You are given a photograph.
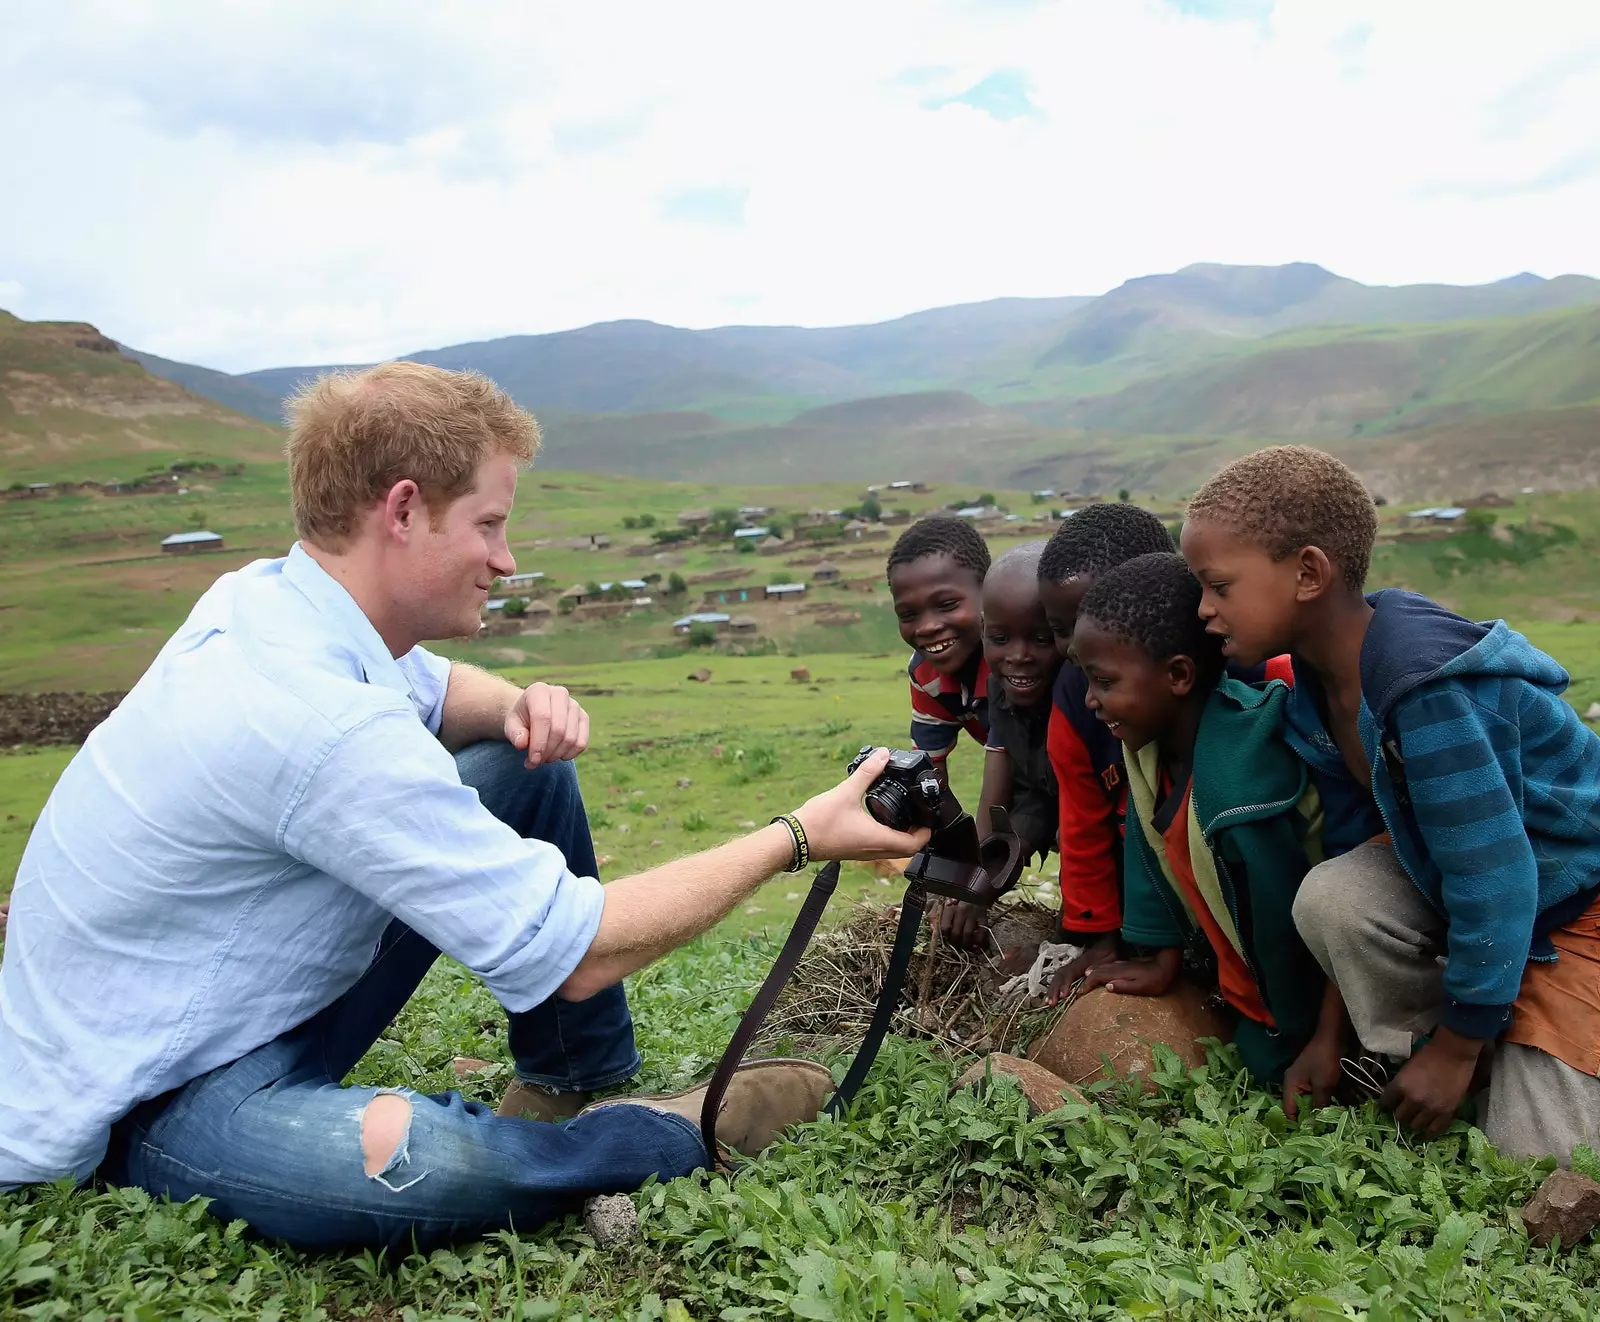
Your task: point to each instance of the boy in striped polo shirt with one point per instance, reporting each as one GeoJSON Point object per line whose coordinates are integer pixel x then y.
{"type": "Point", "coordinates": [936, 572]}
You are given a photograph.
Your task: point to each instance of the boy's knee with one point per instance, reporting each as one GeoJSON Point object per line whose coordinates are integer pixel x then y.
{"type": "Point", "coordinates": [1321, 906]}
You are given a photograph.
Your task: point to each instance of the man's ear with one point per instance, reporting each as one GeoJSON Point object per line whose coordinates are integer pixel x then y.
{"type": "Point", "coordinates": [403, 509]}
{"type": "Point", "coordinates": [1314, 573]}
{"type": "Point", "coordinates": [1182, 675]}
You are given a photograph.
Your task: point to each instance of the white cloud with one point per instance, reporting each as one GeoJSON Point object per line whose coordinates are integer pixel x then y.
{"type": "Point", "coordinates": [279, 182]}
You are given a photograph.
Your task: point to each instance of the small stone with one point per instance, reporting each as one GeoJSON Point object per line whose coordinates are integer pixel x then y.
{"type": "Point", "coordinates": [684, 782]}
{"type": "Point", "coordinates": [602, 860]}
{"type": "Point", "coordinates": [747, 826]}
{"type": "Point", "coordinates": [965, 1276]}
{"type": "Point", "coordinates": [700, 676]}
{"type": "Point", "coordinates": [637, 794]}
{"type": "Point", "coordinates": [792, 895]}
{"type": "Point", "coordinates": [1045, 1091]}
{"type": "Point", "coordinates": [1593, 714]}
{"type": "Point", "coordinates": [650, 810]}
{"type": "Point", "coordinates": [466, 1066]}
{"type": "Point", "coordinates": [800, 675]}
{"type": "Point", "coordinates": [753, 908]}
{"type": "Point", "coordinates": [611, 1219]}
{"type": "Point", "coordinates": [623, 828]}
{"type": "Point", "coordinates": [656, 844]}
{"type": "Point", "coordinates": [1566, 1207]}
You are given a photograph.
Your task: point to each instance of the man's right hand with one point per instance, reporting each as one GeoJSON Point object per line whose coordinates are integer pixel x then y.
{"type": "Point", "coordinates": [837, 825]}
{"type": "Point", "coordinates": [1103, 951]}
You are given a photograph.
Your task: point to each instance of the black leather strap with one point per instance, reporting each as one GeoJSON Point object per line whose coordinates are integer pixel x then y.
{"type": "Point", "coordinates": [912, 908]}
{"type": "Point", "coordinates": [822, 888]}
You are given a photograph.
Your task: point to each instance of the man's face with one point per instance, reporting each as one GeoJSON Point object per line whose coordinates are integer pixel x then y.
{"type": "Point", "coordinates": [1247, 597]}
{"type": "Point", "coordinates": [1138, 697]}
{"type": "Point", "coordinates": [453, 556]}
{"type": "Point", "coordinates": [1061, 602]}
{"type": "Point", "coordinates": [937, 603]}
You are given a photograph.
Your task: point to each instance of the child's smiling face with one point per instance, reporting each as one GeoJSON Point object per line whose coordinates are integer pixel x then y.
{"type": "Point", "coordinates": [1247, 598]}
{"type": "Point", "coordinates": [1137, 696]}
{"type": "Point", "coordinates": [938, 603]}
{"type": "Point", "coordinates": [1017, 640]}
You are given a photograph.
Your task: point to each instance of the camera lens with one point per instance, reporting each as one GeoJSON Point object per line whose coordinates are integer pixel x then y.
{"type": "Point", "coordinates": [888, 804]}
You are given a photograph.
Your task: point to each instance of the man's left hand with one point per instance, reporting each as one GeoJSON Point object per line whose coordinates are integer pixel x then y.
{"type": "Point", "coordinates": [1431, 1086]}
{"type": "Point", "coordinates": [547, 725]}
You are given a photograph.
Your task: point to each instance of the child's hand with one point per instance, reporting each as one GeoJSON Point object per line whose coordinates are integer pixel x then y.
{"type": "Point", "coordinates": [1104, 951]}
{"type": "Point", "coordinates": [1316, 1070]}
{"type": "Point", "coordinates": [960, 922]}
{"type": "Point", "coordinates": [1431, 1086]}
{"type": "Point", "coordinates": [1136, 977]}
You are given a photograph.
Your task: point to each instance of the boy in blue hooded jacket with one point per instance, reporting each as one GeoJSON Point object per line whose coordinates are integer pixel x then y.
{"type": "Point", "coordinates": [1458, 924]}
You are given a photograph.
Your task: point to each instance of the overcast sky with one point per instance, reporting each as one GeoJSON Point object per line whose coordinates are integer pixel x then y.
{"type": "Point", "coordinates": [252, 184]}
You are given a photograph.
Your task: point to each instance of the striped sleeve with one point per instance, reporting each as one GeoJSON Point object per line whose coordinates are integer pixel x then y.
{"type": "Point", "coordinates": [932, 728]}
{"type": "Point", "coordinates": [1468, 816]}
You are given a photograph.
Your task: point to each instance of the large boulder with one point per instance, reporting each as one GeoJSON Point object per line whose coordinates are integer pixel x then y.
{"type": "Point", "coordinates": [1101, 1026]}
{"type": "Point", "coordinates": [1045, 1091]}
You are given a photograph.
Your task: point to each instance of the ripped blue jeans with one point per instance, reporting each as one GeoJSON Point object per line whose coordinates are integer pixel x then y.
{"type": "Point", "coordinates": [274, 1140]}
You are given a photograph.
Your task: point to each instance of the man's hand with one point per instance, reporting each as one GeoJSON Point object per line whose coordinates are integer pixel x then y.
{"type": "Point", "coordinates": [1316, 1070]}
{"type": "Point", "coordinates": [1136, 977]}
{"type": "Point", "coordinates": [1104, 950]}
{"type": "Point", "coordinates": [960, 923]}
{"type": "Point", "coordinates": [1431, 1086]}
{"type": "Point", "coordinates": [547, 725]}
{"type": "Point", "coordinates": [838, 826]}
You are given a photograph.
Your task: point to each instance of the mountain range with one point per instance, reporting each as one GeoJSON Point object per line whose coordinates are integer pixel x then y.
{"type": "Point", "coordinates": [1146, 384]}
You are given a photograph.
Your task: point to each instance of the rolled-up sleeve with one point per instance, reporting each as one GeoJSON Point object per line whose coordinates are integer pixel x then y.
{"type": "Point", "coordinates": [429, 677]}
{"type": "Point", "coordinates": [385, 813]}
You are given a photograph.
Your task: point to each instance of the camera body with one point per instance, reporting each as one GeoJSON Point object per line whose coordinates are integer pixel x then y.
{"type": "Point", "coordinates": [908, 794]}
{"type": "Point", "coordinates": [956, 862]}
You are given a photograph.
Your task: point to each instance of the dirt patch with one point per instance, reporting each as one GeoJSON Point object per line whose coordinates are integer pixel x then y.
{"type": "Point", "coordinates": [52, 718]}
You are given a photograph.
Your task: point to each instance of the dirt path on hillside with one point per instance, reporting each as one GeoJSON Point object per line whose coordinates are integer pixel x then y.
{"type": "Point", "coordinates": [52, 718]}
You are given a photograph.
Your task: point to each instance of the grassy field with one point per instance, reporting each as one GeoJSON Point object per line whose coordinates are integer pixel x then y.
{"type": "Point", "coordinates": [1200, 1201]}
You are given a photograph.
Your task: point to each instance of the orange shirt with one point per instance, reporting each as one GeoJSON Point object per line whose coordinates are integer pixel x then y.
{"type": "Point", "coordinates": [1558, 1009]}
{"type": "Point", "coordinates": [1234, 979]}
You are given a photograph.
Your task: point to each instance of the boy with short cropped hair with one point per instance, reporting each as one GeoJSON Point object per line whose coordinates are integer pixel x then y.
{"type": "Point", "coordinates": [1460, 928]}
{"type": "Point", "coordinates": [1222, 820]}
{"type": "Point", "coordinates": [935, 572]}
{"type": "Point", "coordinates": [1020, 653]}
{"type": "Point", "coordinates": [1086, 758]}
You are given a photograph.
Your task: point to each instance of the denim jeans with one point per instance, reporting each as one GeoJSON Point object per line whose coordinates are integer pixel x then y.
{"type": "Point", "coordinates": [274, 1140]}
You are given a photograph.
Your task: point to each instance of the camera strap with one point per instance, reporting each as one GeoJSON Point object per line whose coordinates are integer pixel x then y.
{"type": "Point", "coordinates": [912, 908]}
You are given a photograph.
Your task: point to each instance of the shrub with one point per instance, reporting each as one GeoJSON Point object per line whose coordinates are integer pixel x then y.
{"type": "Point", "coordinates": [702, 634]}
{"type": "Point", "coordinates": [676, 586]}
{"type": "Point", "coordinates": [515, 607]}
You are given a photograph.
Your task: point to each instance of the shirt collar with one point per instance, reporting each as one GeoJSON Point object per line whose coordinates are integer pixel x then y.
{"type": "Point", "coordinates": [349, 622]}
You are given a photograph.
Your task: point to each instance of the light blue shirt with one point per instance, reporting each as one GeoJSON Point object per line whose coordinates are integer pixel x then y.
{"type": "Point", "coordinates": [218, 861]}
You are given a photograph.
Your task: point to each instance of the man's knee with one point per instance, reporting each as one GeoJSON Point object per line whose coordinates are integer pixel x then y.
{"type": "Point", "coordinates": [385, 1131]}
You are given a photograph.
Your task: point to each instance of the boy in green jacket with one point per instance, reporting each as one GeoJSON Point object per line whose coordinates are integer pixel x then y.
{"type": "Point", "coordinates": [1222, 820]}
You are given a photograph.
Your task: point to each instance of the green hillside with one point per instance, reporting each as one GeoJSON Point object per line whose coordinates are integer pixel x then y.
{"type": "Point", "coordinates": [73, 409]}
{"type": "Point", "coordinates": [1350, 381]}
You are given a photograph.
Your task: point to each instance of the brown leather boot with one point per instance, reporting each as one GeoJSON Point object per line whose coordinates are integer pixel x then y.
{"type": "Point", "coordinates": [528, 1101]}
{"type": "Point", "coordinates": [764, 1097]}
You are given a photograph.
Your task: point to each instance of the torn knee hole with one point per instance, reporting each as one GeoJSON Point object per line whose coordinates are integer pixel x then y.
{"type": "Point", "coordinates": [385, 1125]}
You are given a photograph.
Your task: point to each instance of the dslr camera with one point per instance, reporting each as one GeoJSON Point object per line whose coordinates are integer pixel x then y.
{"type": "Point", "coordinates": [957, 862]}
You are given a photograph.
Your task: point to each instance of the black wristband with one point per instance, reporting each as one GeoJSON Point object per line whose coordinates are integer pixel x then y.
{"type": "Point", "coordinates": [802, 848]}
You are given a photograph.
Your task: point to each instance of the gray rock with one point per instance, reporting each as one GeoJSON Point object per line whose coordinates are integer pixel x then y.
{"type": "Point", "coordinates": [611, 1219]}
{"type": "Point", "coordinates": [684, 782]}
{"type": "Point", "coordinates": [1567, 1206]}
{"type": "Point", "coordinates": [650, 810]}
